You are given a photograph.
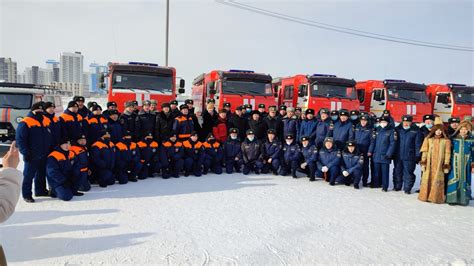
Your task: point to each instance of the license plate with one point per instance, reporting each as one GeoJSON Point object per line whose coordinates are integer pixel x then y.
{"type": "Point", "coordinates": [3, 131]}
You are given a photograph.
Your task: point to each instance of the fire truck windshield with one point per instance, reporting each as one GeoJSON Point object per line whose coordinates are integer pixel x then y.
{"type": "Point", "coordinates": [161, 84]}
{"type": "Point", "coordinates": [15, 101]}
{"type": "Point", "coordinates": [247, 87]}
{"type": "Point", "coordinates": [333, 91]}
{"type": "Point", "coordinates": [463, 97]}
{"type": "Point", "coordinates": [407, 95]}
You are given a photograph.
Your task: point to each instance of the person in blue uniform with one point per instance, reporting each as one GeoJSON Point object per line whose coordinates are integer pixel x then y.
{"type": "Point", "coordinates": [72, 123]}
{"type": "Point", "coordinates": [81, 163]}
{"type": "Point", "coordinates": [233, 152]}
{"type": "Point", "coordinates": [407, 155]}
{"type": "Point", "coordinates": [309, 153]}
{"type": "Point", "coordinates": [149, 156]}
{"type": "Point", "coordinates": [329, 163]}
{"type": "Point", "coordinates": [291, 157]}
{"type": "Point", "coordinates": [102, 157]}
{"type": "Point", "coordinates": [343, 130]}
{"type": "Point", "coordinates": [193, 155]}
{"type": "Point", "coordinates": [213, 155]}
{"type": "Point", "coordinates": [352, 162]}
{"type": "Point", "coordinates": [252, 154]}
{"type": "Point", "coordinates": [271, 153]}
{"type": "Point", "coordinates": [308, 126]}
{"type": "Point", "coordinates": [382, 150]}
{"type": "Point", "coordinates": [171, 157]}
{"type": "Point", "coordinates": [127, 163]}
{"type": "Point", "coordinates": [323, 127]}
{"type": "Point", "coordinates": [363, 138]}
{"type": "Point", "coordinates": [34, 140]}
{"type": "Point", "coordinates": [59, 170]}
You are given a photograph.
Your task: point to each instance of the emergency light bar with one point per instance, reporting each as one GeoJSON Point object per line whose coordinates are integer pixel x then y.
{"type": "Point", "coordinates": [241, 71]}
{"type": "Point", "coordinates": [455, 85]}
{"type": "Point", "coordinates": [387, 81]}
{"type": "Point", "coordinates": [143, 64]}
{"type": "Point", "coordinates": [324, 75]}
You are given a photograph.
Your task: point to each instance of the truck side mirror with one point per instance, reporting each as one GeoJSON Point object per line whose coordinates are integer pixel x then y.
{"type": "Point", "coordinates": [301, 90]}
{"type": "Point", "coordinates": [102, 78]}
{"type": "Point", "coordinates": [102, 85]}
{"type": "Point", "coordinates": [275, 95]}
{"type": "Point", "coordinates": [211, 86]}
{"type": "Point", "coordinates": [300, 94]}
{"type": "Point", "coordinates": [181, 84]}
{"type": "Point", "coordinates": [212, 91]}
{"type": "Point", "coordinates": [181, 90]}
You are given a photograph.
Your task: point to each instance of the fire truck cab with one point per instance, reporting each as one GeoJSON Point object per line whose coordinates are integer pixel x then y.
{"type": "Point", "coordinates": [397, 96]}
{"type": "Point", "coordinates": [236, 87]}
{"type": "Point", "coordinates": [318, 91]}
{"type": "Point", "coordinates": [140, 82]}
{"type": "Point", "coordinates": [16, 100]}
{"type": "Point", "coordinates": [451, 100]}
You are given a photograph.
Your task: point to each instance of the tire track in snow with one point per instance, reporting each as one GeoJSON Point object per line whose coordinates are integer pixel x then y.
{"type": "Point", "coordinates": [275, 251]}
{"type": "Point", "coordinates": [206, 258]}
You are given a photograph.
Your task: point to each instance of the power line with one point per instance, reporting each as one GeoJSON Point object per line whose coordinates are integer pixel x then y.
{"type": "Point", "coordinates": [342, 29]}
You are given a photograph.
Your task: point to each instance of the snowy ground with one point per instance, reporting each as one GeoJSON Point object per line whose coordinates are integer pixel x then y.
{"type": "Point", "coordinates": [236, 219]}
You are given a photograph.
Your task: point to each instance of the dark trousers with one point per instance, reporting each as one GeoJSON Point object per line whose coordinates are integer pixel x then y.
{"type": "Point", "coordinates": [82, 182]}
{"type": "Point", "coordinates": [255, 166]}
{"type": "Point", "coordinates": [104, 177]}
{"type": "Point", "coordinates": [34, 170]}
{"type": "Point", "coordinates": [193, 166]}
{"type": "Point", "coordinates": [273, 166]}
{"type": "Point", "coordinates": [288, 167]}
{"type": "Point", "coordinates": [213, 164]}
{"type": "Point", "coordinates": [354, 177]}
{"type": "Point", "coordinates": [365, 169]}
{"type": "Point", "coordinates": [310, 170]}
{"type": "Point", "coordinates": [404, 175]}
{"type": "Point", "coordinates": [232, 164]}
{"type": "Point", "coordinates": [382, 172]}
{"type": "Point", "coordinates": [172, 168]}
{"type": "Point", "coordinates": [333, 174]}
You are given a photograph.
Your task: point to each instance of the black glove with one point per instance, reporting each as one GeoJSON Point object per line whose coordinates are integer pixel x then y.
{"type": "Point", "coordinates": [418, 159]}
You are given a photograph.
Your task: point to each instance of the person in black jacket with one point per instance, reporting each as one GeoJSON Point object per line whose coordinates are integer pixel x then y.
{"type": "Point", "coordinates": [110, 106]}
{"type": "Point", "coordinates": [209, 119]}
{"type": "Point", "coordinates": [128, 117]}
{"type": "Point", "coordinates": [274, 122]}
{"type": "Point", "coordinates": [252, 153]}
{"type": "Point", "coordinates": [453, 123]}
{"type": "Point", "coordinates": [237, 120]}
{"type": "Point", "coordinates": [174, 109]}
{"type": "Point", "coordinates": [258, 126]}
{"type": "Point", "coordinates": [145, 121]}
{"type": "Point", "coordinates": [164, 123]}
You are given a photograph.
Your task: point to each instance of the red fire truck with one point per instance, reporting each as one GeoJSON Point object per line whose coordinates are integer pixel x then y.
{"type": "Point", "coordinates": [451, 100]}
{"type": "Point", "coordinates": [317, 91]}
{"type": "Point", "coordinates": [140, 82]}
{"type": "Point", "coordinates": [234, 86]}
{"type": "Point", "coordinates": [397, 96]}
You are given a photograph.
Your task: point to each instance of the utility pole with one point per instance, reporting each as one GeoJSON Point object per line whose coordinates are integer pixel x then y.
{"type": "Point", "coordinates": [167, 28]}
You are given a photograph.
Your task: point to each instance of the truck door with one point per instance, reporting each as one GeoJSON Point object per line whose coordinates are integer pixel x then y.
{"type": "Point", "coordinates": [443, 105]}
{"type": "Point", "coordinates": [378, 101]}
{"type": "Point", "coordinates": [217, 96]}
{"type": "Point", "coordinates": [288, 95]}
{"type": "Point", "coordinates": [302, 96]}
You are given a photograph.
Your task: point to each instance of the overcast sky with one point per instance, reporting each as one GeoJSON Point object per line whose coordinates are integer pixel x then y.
{"type": "Point", "coordinates": [206, 35]}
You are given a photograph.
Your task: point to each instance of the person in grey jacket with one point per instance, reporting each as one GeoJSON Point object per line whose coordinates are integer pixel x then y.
{"type": "Point", "coordinates": [10, 184]}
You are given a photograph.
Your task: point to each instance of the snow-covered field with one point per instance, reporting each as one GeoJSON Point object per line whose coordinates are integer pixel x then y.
{"type": "Point", "coordinates": [236, 219]}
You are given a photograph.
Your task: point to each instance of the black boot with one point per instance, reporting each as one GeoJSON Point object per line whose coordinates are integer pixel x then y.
{"type": "Point", "coordinates": [77, 193]}
{"type": "Point", "coordinates": [311, 179]}
{"type": "Point", "coordinates": [29, 200]}
{"type": "Point", "coordinates": [356, 186]}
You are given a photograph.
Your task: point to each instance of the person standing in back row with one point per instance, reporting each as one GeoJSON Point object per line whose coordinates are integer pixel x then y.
{"type": "Point", "coordinates": [33, 137]}
{"type": "Point", "coordinates": [382, 149]}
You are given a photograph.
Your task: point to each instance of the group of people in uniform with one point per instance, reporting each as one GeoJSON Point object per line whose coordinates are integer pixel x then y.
{"type": "Point", "coordinates": [87, 145]}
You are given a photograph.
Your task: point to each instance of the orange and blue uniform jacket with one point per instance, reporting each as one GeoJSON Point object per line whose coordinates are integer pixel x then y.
{"type": "Point", "coordinates": [72, 125]}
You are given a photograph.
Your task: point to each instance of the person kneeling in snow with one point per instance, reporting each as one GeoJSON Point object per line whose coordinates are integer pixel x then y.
{"type": "Point", "coordinates": [149, 156]}
{"type": "Point", "coordinates": [59, 172]}
{"type": "Point", "coordinates": [213, 154]}
{"type": "Point", "coordinates": [252, 153]}
{"type": "Point", "coordinates": [81, 163]}
{"type": "Point", "coordinates": [291, 157]}
{"type": "Point", "coordinates": [127, 164]}
{"type": "Point", "coordinates": [310, 156]}
{"type": "Point", "coordinates": [102, 155]}
{"type": "Point", "coordinates": [171, 157]}
{"type": "Point", "coordinates": [352, 163]}
{"type": "Point", "coordinates": [233, 153]}
{"type": "Point", "coordinates": [329, 161]}
{"type": "Point", "coordinates": [193, 154]}
{"type": "Point", "coordinates": [271, 153]}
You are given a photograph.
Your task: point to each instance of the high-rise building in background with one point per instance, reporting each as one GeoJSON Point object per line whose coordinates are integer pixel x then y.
{"type": "Point", "coordinates": [8, 70]}
{"type": "Point", "coordinates": [94, 78]}
{"type": "Point", "coordinates": [54, 66]}
{"type": "Point", "coordinates": [71, 67]}
{"type": "Point", "coordinates": [38, 76]}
